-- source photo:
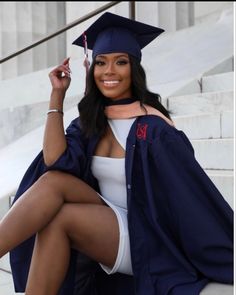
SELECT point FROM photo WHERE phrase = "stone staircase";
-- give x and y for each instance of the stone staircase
(207, 119)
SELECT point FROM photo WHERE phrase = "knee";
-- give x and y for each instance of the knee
(51, 179)
(62, 218)
(52, 175)
(59, 223)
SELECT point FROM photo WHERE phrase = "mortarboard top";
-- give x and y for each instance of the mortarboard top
(113, 33)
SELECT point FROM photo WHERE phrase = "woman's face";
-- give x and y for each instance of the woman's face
(112, 75)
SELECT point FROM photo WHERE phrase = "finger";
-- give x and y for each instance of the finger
(65, 64)
(67, 67)
(59, 70)
(66, 70)
(66, 61)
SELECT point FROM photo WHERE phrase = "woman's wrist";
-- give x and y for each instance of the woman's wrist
(51, 111)
(58, 93)
(57, 99)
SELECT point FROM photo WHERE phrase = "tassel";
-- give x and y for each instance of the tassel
(86, 61)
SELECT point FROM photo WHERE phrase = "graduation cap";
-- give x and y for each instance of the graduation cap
(113, 33)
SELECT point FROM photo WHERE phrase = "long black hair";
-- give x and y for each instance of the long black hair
(91, 106)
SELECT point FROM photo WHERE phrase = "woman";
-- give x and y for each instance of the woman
(122, 187)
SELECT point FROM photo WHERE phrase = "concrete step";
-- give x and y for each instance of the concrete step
(4, 263)
(218, 82)
(176, 88)
(19, 120)
(6, 280)
(219, 125)
(6, 284)
(210, 102)
(4, 205)
(224, 181)
(227, 124)
(214, 153)
(218, 78)
(225, 66)
(218, 289)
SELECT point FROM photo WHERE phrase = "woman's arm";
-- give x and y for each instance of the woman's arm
(54, 143)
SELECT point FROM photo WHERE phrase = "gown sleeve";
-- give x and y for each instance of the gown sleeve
(194, 210)
(71, 161)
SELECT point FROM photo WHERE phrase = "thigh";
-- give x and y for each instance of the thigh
(73, 189)
(93, 230)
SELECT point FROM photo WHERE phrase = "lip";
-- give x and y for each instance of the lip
(110, 83)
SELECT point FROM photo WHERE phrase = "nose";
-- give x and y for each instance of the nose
(109, 70)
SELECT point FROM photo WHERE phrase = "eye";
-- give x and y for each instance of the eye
(122, 62)
(99, 63)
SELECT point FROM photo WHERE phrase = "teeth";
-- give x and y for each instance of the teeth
(110, 82)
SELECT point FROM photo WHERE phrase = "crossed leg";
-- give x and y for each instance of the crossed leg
(66, 213)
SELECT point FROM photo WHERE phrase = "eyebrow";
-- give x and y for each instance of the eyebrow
(116, 56)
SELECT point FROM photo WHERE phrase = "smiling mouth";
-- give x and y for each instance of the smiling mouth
(110, 83)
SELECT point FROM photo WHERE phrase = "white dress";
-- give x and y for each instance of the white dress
(110, 173)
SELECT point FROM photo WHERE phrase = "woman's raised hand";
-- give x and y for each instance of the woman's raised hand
(60, 76)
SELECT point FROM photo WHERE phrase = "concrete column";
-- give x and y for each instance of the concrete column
(191, 13)
(22, 23)
(1, 54)
(75, 10)
(56, 47)
(146, 11)
(121, 9)
(61, 22)
(184, 15)
(24, 36)
(9, 38)
(210, 11)
(39, 30)
(167, 16)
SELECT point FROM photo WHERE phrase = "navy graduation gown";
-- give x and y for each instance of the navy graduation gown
(180, 226)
